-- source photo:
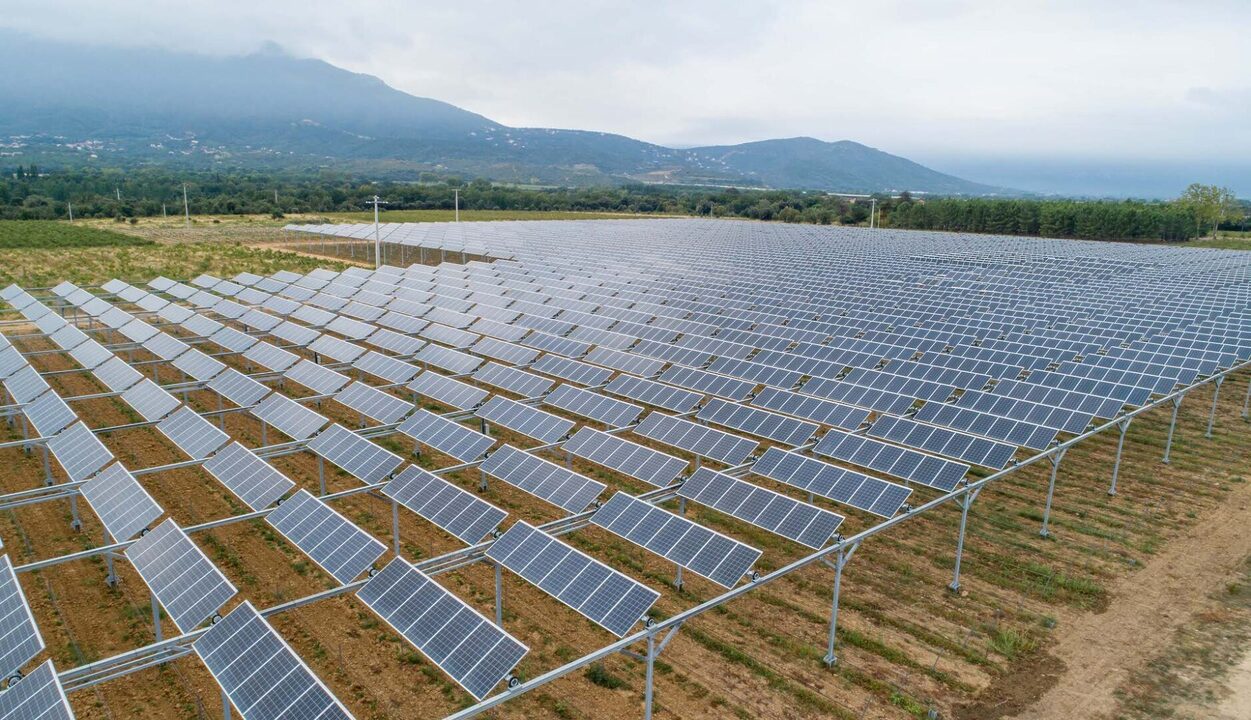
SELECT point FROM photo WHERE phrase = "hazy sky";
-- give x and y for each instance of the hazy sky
(1149, 80)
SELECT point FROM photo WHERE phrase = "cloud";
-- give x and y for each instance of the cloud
(1162, 79)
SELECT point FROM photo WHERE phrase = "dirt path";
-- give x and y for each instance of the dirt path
(1237, 706)
(1148, 606)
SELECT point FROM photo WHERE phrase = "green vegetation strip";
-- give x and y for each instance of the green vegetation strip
(47, 234)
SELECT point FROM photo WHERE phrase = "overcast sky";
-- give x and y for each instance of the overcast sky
(1147, 80)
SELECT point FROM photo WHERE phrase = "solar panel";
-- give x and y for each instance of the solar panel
(260, 673)
(192, 434)
(121, 503)
(49, 414)
(393, 371)
(613, 413)
(447, 391)
(695, 438)
(651, 392)
(331, 540)
(288, 416)
(238, 388)
(544, 427)
(19, 635)
(468, 647)
(150, 400)
(893, 460)
(250, 478)
(720, 385)
(37, 696)
(79, 451)
(165, 346)
(453, 361)
(90, 354)
(198, 365)
(297, 335)
(601, 594)
(374, 403)
(459, 512)
(518, 382)
(446, 436)
(835, 483)
(721, 559)
(825, 412)
(572, 370)
(116, 374)
(1014, 432)
(359, 457)
(186, 583)
(636, 461)
(25, 385)
(785, 430)
(545, 480)
(942, 441)
(805, 524)
(271, 357)
(321, 380)
(11, 360)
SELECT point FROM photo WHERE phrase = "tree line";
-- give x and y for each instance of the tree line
(28, 193)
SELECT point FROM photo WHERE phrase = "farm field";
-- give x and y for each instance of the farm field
(907, 645)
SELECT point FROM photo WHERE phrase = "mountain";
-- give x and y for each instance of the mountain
(69, 104)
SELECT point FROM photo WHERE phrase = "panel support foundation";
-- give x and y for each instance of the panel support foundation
(1120, 448)
(838, 563)
(1051, 491)
(965, 504)
(1216, 395)
(1172, 426)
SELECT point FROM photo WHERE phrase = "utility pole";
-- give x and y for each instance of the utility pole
(119, 193)
(377, 238)
(164, 214)
(186, 207)
(70, 205)
(873, 213)
(457, 192)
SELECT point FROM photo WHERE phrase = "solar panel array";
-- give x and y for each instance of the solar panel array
(943, 351)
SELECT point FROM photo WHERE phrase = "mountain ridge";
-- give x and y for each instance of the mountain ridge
(106, 105)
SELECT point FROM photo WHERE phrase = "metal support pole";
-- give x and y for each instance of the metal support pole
(111, 578)
(1120, 446)
(47, 465)
(651, 668)
(1216, 395)
(1246, 402)
(499, 595)
(482, 480)
(840, 561)
(76, 522)
(221, 412)
(156, 618)
(395, 526)
(677, 576)
(965, 504)
(1172, 426)
(1051, 491)
(321, 473)
(264, 433)
(225, 706)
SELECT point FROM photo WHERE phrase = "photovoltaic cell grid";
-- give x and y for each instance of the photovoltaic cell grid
(331, 540)
(829, 481)
(253, 480)
(642, 463)
(601, 594)
(547, 481)
(37, 696)
(260, 673)
(186, 583)
(805, 524)
(446, 436)
(121, 503)
(695, 438)
(361, 458)
(19, 636)
(684, 542)
(468, 647)
(892, 460)
(459, 512)
(544, 427)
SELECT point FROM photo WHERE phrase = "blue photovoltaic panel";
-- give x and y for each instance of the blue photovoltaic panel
(830, 481)
(19, 635)
(609, 411)
(721, 559)
(186, 583)
(192, 434)
(695, 438)
(331, 540)
(446, 436)
(468, 647)
(79, 451)
(121, 503)
(374, 403)
(459, 512)
(785, 430)
(288, 416)
(253, 480)
(447, 391)
(361, 458)
(261, 674)
(650, 392)
(603, 595)
(548, 481)
(37, 696)
(544, 427)
(805, 524)
(943, 441)
(642, 463)
(893, 460)
(825, 412)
